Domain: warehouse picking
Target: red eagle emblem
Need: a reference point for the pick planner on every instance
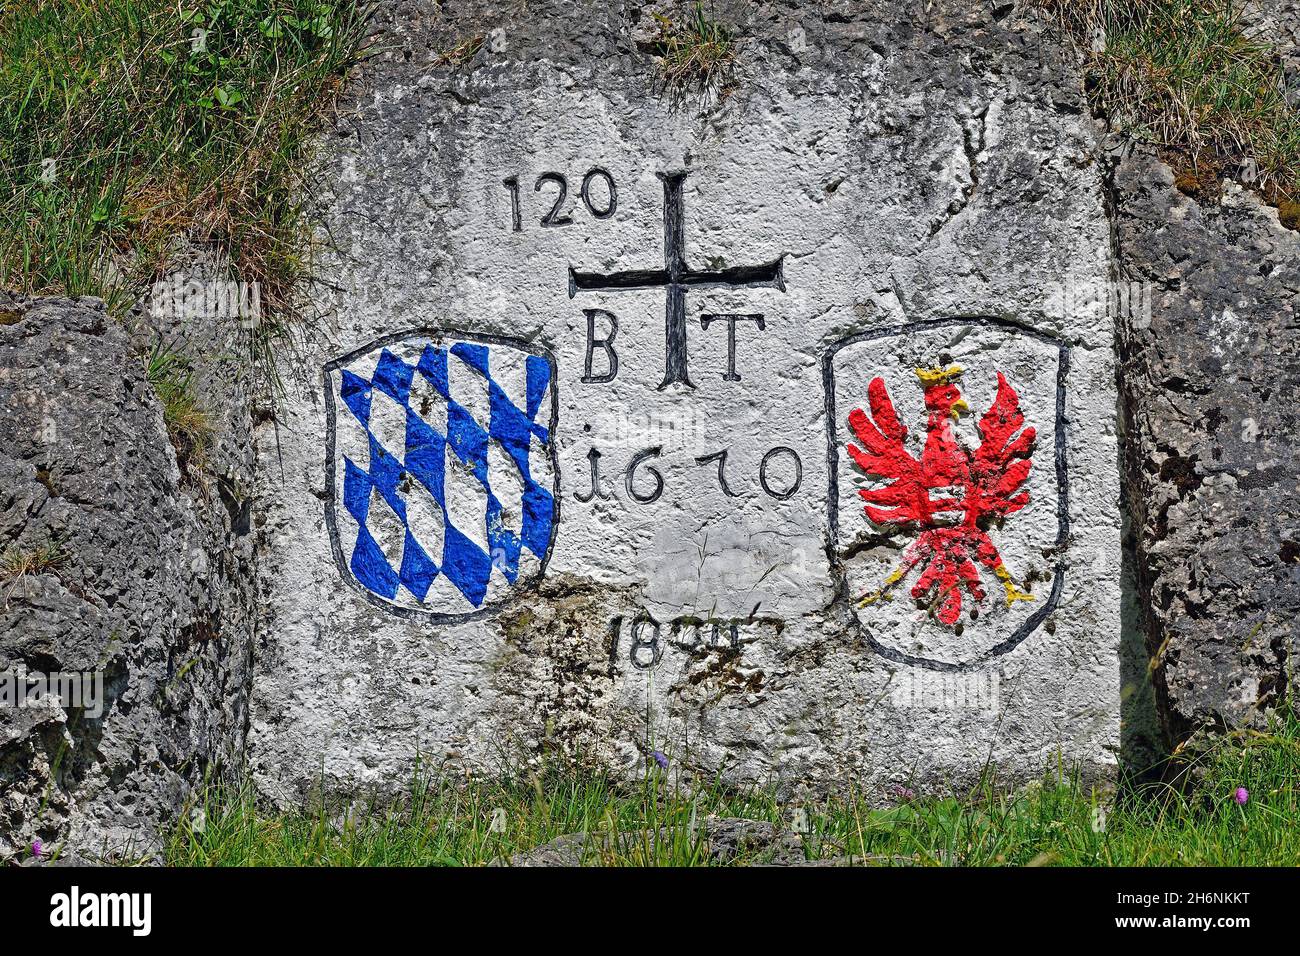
(950, 494)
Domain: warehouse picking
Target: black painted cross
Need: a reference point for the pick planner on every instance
(676, 277)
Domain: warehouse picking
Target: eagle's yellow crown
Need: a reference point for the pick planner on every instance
(938, 376)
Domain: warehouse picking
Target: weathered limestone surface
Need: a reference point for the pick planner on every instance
(1210, 399)
(1277, 23)
(153, 590)
(924, 176)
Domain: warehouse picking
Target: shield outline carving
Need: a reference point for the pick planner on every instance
(1060, 458)
(436, 335)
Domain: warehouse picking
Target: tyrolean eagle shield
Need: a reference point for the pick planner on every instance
(948, 494)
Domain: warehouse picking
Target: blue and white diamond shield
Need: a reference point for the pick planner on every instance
(441, 472)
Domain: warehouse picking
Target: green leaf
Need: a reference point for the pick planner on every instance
(104, 211)
(228, 99)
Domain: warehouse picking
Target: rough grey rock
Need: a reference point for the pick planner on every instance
(1210, 397)
(1277, 23)
(152, 589)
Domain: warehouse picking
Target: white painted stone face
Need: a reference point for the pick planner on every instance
(700, 596)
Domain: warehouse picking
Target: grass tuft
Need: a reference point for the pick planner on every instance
(126, 124)
(462, 52)
(187, 421)
(449, 820)
(695, 53)
(17, 563)
(1183, 75)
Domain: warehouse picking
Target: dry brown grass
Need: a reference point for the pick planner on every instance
(463, 51)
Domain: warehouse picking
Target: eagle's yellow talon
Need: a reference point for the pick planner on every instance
(1014, 594)
(883, 594)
